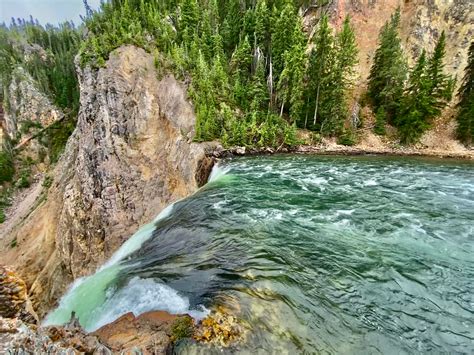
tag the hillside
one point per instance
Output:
(156, 93)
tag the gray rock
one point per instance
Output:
(128, 158)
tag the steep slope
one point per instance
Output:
(422, 24)
(130, 155)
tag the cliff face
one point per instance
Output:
(421, 25)
(130, 156)
(27, 104)
(131, 153)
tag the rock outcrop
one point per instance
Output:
(130, 155)
(27, 105)
(149, 333)
(421, 25)
(14, 301)
(18, 337)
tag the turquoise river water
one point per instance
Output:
(358, 255)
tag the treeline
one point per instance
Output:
(47, 54)
(411, 102)
(254, 74)
(252, 79)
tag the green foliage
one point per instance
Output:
(56, 136)
(24, 179)
(47, 53)
(7, 169)
(348, 138)
(47, 182)
(245, 62)
(465, 116)
(388, 71)
(411, 105)
(380, 121)
(5, 194)
(428, 91)
(26, 126)
(146, 24)
(331, 74)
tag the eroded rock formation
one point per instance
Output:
(14, 301)
(130, 155)
(132, 152)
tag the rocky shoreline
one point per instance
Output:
(322, 149)
(154, 332)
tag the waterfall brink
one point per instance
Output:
(218, 172)
(97, 300)
(278, 242)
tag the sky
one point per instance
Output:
(46, 11)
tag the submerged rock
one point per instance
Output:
(220, 328)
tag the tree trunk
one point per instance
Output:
(317, 104)
(282, 106)
(306, 118)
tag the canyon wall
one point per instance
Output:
(422, 22)
(130, 155)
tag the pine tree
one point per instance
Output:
(232, 25)
(380, 120)
(342, 79)
(347, 53)
(258, 89)
(189, 16)
(417, 106)
(291, 83)
(320, 66)
(262, 31)
(441, 85)
(465, 117)
(387, 74)
(429, 91)
(241, 60)
(282, 36)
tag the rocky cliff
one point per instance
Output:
(421, 25)
(422, 22)
(131, 153)
(130, 156)
(27, 104)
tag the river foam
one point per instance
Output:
(96, 300)
(313, 254)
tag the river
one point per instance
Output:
(354, 255)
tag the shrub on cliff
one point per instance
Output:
(7, 168)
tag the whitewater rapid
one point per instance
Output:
(96, 301)
(360, 255)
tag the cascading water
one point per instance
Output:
(313, 254)
(98, 300)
